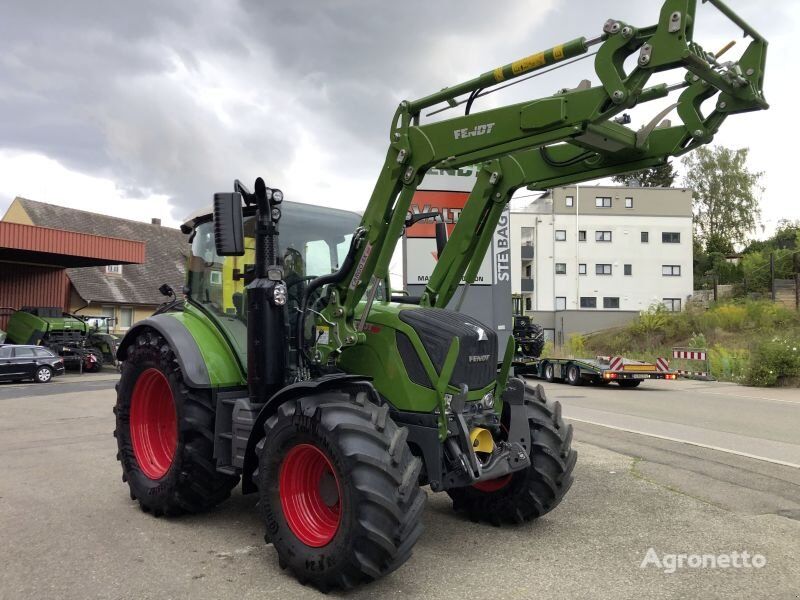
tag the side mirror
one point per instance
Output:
(228, 229)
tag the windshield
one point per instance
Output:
(313, 241)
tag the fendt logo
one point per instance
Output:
(477, 130)
(478, 358)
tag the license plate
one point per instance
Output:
(641, 376)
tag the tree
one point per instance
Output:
(726, 193)
(662, 176)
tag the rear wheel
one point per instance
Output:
(339, 489)
(549, 372)
(629, 383)
(574, 375)
(43, 374)
(165, 434)
(532, 492)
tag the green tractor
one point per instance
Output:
(291, 365)
(65, 334)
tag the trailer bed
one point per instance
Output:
(600, 370)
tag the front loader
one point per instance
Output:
(290, 365)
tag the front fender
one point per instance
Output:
(296, 390)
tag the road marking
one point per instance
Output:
(691, 443)
(749, 397)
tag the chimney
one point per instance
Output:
(155, 221)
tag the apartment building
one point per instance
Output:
(589, 258)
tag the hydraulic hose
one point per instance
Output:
(318, 282)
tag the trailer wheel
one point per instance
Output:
(165, 434)
(549, 372)
(629, 383)
(338, 489)
(535, 491)
(574, 375)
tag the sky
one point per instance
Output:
(145, 109)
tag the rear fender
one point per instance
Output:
(187, 352)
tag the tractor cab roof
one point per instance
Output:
(297, 209)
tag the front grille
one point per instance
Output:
(436, 328)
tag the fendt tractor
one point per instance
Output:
(291, 365)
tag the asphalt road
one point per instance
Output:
(69, 529)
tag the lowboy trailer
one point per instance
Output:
(600, 370)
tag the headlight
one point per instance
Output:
(488, 400)
(279, 294)
(276, 214)
(277, 196)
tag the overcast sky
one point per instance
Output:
(145, 109)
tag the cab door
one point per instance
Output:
(6, 363)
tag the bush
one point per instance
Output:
(774, 362)
(576, 346)
(728, 365)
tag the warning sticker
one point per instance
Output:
(498, 74)
(323, 334)
(529, 62)
(558, 52)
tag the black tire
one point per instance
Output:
(534, 341)
(549, 372)
(43, 374)
(537, 490)
(629, 383)
(380, 502)
(574, 375)
(191, 482)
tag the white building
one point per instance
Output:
(593, 257)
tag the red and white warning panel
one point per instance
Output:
(662, 364)
(690, 354)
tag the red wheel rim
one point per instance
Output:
(310, 495)
(492, 485)
(154, 424)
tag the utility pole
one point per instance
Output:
(772, 274)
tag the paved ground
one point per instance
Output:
(69, 529)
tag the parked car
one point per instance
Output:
(29, 362)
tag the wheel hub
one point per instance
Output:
(153, 424)
(310, 495)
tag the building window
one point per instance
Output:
(602, 236)
(645, 237)
(561, 268)
(528, 271)
(215, 277)
(670, 237)
(602, 269)
(602, 202)
(114, 269)
(672, 304)
(125, 317)
(561, 235)
(561, 303)
(628, 269)
(528, 304)
(628, 202)
(588, 302)
(570, 201)
(526, 234)
(517, 302)
(671, 270)
(582, 269)
(582, 235)
(610, 302)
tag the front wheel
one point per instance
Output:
(338, 489)
(535, 491)
(43, 374)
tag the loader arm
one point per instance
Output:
(574, 126)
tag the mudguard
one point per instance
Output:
(296, 390)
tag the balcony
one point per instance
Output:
(526, 252)
(526, 284)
